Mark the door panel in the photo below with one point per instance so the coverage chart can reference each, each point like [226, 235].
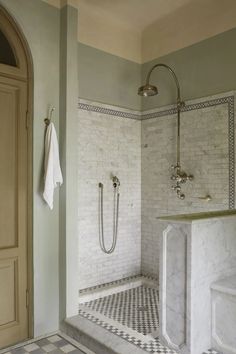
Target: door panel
[8, 171]
[13, 211]
[8, 305]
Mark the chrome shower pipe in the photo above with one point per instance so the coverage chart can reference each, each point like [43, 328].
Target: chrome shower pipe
[180, 104]
[178, 176]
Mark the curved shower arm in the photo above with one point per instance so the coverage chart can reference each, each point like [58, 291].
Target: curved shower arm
[173, 75]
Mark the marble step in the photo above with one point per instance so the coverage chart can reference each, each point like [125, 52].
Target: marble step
[97, 338]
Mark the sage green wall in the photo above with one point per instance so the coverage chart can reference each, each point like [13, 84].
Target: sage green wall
[68, 280]
[40, 24]
[107, 78]
[203, 69]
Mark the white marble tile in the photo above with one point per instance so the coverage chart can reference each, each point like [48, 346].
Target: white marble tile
[108, 145]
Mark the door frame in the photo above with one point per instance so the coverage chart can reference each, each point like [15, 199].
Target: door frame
[22, 50]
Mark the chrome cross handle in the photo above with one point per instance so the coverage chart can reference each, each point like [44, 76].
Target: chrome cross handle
[179, 177]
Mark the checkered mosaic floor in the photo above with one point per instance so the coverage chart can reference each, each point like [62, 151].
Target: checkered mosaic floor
[53, 345]
[132, 315]
[135, 308]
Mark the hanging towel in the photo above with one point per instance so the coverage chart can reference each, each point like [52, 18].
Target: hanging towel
[52, 169]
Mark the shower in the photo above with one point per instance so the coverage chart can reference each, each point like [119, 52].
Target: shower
[179, 176]
[116, 192]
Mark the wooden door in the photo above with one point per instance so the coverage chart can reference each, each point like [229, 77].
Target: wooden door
[13, 211]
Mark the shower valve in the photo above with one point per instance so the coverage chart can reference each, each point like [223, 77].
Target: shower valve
[179, 177]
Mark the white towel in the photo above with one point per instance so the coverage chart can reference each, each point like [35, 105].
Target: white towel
[52, 169]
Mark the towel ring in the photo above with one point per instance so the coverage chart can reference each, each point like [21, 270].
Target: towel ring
[47, 120]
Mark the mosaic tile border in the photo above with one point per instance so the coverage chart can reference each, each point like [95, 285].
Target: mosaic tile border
[153, 346]
[109, 111]
[229, 100]
[117, 282]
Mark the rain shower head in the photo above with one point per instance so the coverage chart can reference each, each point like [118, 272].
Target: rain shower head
[151, 90]
[147, 90]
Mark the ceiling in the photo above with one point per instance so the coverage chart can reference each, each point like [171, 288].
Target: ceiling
[134, 14]
[142, 30]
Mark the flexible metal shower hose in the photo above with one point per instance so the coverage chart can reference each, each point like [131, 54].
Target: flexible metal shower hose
[115, 219]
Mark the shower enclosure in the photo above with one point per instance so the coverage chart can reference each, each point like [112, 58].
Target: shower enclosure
[119, 290]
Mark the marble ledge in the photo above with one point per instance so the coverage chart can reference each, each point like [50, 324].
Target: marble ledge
[198, 217]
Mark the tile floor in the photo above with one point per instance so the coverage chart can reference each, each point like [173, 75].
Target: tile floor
[58, 345]
[54, 345]
[135, 308]
[132, 315]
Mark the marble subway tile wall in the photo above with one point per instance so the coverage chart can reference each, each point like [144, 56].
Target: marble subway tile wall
[204, 153]
[108, 144]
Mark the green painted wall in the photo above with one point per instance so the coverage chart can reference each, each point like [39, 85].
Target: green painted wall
[40, 24]
[203, 69]
[106, 78]
[68, 260]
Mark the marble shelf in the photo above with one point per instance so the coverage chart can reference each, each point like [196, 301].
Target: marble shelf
[198, 216]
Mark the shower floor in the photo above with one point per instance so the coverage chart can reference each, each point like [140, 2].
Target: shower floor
[131, 314]
[135, 308]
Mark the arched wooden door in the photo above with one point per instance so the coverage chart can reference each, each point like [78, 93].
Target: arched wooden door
[14, 185]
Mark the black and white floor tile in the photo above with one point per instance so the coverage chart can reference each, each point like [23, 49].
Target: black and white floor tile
[135, 308]
[132, 315]
[54, 345]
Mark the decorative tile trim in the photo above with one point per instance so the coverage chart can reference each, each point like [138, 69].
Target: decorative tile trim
[117, 282]
[189, 107]
[109, 111]
[153, 346]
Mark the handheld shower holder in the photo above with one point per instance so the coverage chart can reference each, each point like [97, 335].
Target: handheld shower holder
[116, 182]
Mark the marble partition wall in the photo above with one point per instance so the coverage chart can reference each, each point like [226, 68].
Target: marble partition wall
[197, 250]
[207, 152]
[109, 140]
